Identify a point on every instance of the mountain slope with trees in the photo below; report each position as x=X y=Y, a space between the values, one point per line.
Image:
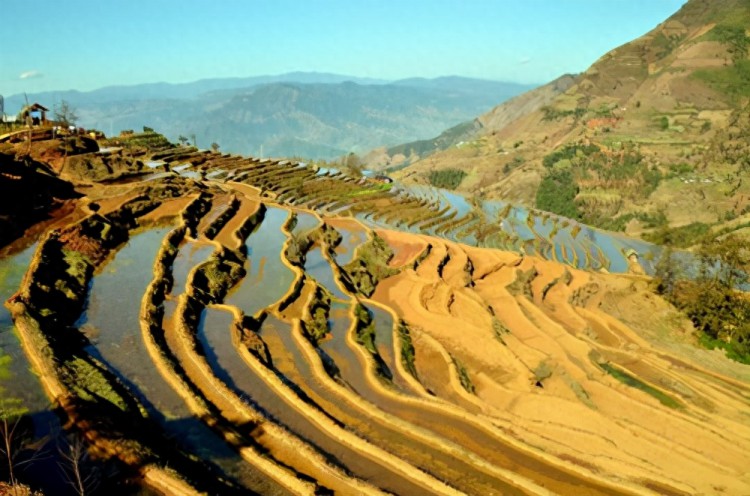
x=652 y=134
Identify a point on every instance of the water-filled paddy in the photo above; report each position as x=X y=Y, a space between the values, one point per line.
x=305 y=222
x=350 y=240
x=530 y=230
x=227 y=364
x=267 y=277
x=320 y=268
x=190 y=255
x=16 y=379
x=111 y=314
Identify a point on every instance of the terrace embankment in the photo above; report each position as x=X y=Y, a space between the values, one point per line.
x=93 y=400
x=550 y=367
x=207 y=286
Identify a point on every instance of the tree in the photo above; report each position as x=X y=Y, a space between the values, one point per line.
x=182 y=139
x=726 y=260
x=353 y=163
x=557 y=193
x=713 y=301
x=15 y=438
x=667 y=271
x=215 y=146
x=75 y=462
x=65 y=113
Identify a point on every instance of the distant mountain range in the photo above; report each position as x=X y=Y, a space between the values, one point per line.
x=311 y=115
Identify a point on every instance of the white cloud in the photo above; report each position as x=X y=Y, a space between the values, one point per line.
x=30 y=75
x=524 y=60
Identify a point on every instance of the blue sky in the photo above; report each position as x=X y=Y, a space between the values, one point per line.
x=83 y=45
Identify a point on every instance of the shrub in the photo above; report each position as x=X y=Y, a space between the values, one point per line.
x=407 y=349
x=463 y=375
x=682 y=168
x=370 y=266
x=317 y=326
x=365 y=328
x=557 y=193
x=446 y=178
x=553 y=114
x=680 y=237
x=568 y=152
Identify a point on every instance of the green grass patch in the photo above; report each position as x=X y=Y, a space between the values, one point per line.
x=634 y=382
x=365 y=328
x=649 y=220
x=379 y=188
x=408 y=353
x=733 y=36
x=90 y=383
x=731 y=350
x=733 y=81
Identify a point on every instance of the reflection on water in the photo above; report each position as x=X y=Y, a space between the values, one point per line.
x=384 y=343
x=226 y=363
x=16 y=379
x=190 y=254
x=116 y=330
x=531 y=231
x=111 y=312
x=20 y=387
x=317 y=266
x=305 y=222
x=350 y=240
x=267 y=277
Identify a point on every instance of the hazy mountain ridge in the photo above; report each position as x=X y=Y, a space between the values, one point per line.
x=300 y=114
x=191 y=89
x=401 y=155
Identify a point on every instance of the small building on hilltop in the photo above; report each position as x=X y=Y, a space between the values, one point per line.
x=33 y=115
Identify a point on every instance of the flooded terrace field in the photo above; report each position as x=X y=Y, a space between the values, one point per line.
x=245 y=341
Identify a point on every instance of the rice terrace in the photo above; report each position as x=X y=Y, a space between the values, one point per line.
x=281 y=339
x=181 y=320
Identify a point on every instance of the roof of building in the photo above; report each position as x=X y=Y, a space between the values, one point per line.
x=36 y=107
